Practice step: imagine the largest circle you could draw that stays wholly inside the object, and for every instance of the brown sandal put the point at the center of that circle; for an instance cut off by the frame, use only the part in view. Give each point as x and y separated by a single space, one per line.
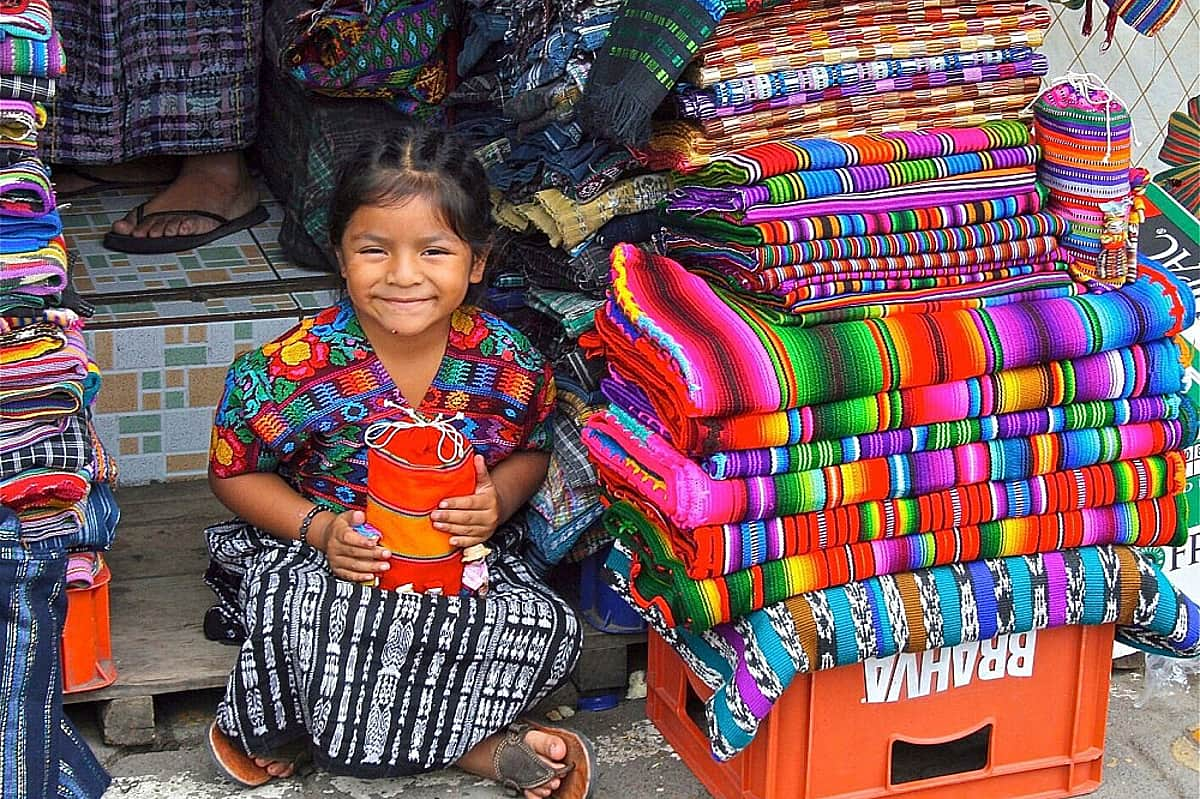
240 767
519 768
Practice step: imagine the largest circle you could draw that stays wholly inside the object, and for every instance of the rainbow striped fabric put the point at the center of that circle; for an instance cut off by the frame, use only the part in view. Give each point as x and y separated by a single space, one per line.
689 497
1139 370
713 550
651 336
658 578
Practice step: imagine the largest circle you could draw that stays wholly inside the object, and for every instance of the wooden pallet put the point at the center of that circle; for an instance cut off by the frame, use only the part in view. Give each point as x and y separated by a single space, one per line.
158 599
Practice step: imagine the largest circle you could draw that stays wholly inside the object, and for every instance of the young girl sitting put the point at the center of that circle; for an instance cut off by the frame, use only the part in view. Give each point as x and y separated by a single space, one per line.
378 683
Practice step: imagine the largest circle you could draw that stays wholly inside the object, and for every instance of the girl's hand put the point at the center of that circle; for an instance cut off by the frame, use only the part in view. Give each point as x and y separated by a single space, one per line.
471 519
352 556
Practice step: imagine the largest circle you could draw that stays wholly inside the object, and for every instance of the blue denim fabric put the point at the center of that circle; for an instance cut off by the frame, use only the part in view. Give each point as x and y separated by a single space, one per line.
100 519
485 30
41 755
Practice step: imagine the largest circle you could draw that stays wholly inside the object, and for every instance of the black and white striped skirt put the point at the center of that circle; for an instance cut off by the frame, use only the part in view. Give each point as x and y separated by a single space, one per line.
382 684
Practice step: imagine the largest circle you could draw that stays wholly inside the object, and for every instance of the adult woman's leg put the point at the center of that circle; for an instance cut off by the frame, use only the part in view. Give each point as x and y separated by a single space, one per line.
162 77
217 183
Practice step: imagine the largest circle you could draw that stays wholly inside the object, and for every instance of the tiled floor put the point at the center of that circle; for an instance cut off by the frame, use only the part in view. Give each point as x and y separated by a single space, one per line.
245 275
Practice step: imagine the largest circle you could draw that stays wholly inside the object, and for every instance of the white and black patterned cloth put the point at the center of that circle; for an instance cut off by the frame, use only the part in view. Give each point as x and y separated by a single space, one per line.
69 451
383 684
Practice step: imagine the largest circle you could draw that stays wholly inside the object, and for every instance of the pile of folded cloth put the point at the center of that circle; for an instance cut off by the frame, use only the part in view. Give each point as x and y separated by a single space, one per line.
53 472
827 68
875 224
562 199
791 497
562 192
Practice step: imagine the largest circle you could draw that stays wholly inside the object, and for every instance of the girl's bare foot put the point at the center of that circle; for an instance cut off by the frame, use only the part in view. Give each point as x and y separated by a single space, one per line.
276 768
218 183
550 749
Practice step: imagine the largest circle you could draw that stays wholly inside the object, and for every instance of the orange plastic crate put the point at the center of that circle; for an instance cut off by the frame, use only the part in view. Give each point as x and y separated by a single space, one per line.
86 644
947 723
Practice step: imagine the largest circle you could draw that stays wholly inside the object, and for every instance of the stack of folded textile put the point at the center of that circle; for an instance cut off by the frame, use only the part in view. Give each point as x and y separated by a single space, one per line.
562 199
876 224
556 187
53 471
828 68
793 497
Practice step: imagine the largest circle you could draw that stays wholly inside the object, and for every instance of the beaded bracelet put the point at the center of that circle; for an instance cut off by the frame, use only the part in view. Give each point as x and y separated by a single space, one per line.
307 522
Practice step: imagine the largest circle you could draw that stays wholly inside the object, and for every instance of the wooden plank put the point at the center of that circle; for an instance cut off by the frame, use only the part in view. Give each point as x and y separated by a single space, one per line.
158 642
162 530
157 597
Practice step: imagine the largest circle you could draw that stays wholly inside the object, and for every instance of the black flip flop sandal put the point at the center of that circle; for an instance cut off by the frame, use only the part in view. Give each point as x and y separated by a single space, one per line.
159 245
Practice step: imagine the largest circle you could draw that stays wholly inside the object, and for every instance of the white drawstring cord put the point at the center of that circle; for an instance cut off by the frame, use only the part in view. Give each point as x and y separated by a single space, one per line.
1087 83
379 434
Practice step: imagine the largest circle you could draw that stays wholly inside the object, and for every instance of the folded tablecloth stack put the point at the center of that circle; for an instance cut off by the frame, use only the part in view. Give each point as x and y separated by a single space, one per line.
833 69
876 224
793 497
53 472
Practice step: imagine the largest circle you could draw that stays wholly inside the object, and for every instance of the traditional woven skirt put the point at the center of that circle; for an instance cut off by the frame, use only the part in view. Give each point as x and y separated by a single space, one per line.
383 684
154 77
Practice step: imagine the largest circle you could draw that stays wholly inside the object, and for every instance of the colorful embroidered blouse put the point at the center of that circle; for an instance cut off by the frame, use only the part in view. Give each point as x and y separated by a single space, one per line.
299 405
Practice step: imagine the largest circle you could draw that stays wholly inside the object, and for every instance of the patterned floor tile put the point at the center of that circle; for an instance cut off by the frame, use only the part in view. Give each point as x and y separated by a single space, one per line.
159 311
267 236
235 258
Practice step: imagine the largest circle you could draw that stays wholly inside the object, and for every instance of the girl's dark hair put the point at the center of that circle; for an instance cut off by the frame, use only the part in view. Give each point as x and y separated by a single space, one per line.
402 162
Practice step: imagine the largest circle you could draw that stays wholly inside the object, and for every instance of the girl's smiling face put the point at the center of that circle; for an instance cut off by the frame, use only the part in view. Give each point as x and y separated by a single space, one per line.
406 270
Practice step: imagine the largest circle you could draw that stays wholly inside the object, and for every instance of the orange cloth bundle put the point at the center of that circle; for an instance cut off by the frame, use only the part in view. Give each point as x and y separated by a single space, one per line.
412 465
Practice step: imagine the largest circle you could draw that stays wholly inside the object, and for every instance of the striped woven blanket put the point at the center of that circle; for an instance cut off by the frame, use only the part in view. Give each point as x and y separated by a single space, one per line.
779 266
1140 370
684 147
658 578
939 435
863 42
838 226
649 334
713 550
702 104
26 190
749 663
825 15
743 91
684 493
777 123
811 184
1030 33
858 299
756 164
1025 226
